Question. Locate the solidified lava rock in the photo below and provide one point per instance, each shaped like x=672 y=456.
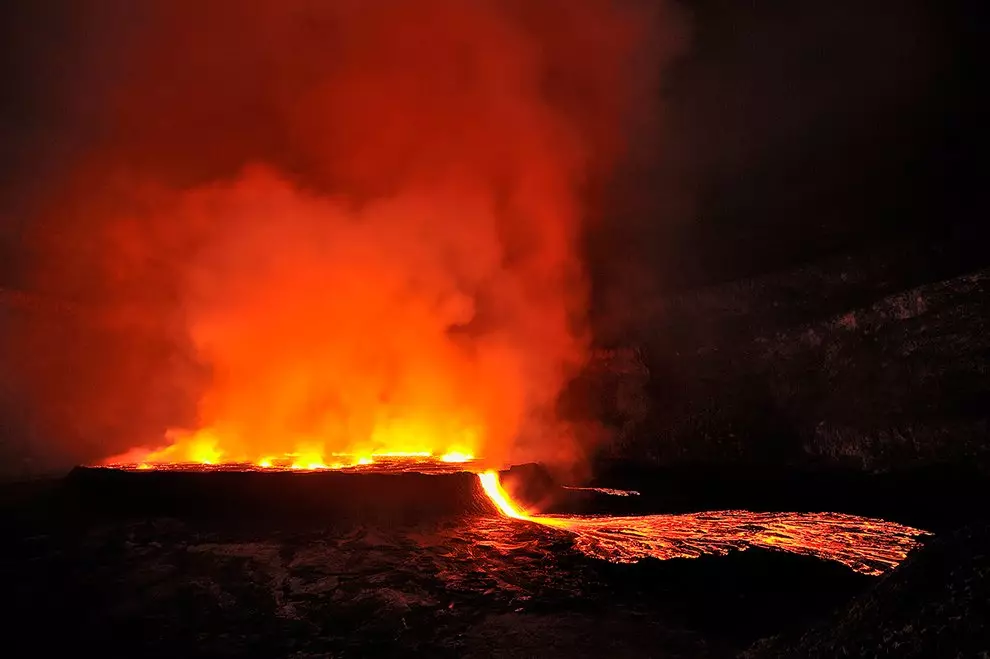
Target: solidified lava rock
x=476 y=585
x=255 y=564
x=872 y=361
x=259 y=497
x=934 y=605
x=531 y=485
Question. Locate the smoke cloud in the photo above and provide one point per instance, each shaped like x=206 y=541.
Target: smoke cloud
x=317 y=227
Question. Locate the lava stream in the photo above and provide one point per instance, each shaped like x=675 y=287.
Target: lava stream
x=869 y=546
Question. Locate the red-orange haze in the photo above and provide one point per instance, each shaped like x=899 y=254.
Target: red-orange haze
x=335 y=227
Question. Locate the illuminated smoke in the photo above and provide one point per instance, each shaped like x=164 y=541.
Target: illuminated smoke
x=307 y=228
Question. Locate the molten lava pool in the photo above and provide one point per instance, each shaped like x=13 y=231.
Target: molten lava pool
x=865 y=545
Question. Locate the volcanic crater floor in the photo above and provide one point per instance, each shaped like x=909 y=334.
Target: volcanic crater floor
x=471 y=584
x=474 y=586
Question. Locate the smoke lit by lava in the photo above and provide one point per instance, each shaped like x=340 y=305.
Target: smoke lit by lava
x=309 y=233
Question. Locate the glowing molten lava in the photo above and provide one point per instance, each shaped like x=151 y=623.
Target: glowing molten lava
x=869 y=546
x=494 y=490
x=424 y=463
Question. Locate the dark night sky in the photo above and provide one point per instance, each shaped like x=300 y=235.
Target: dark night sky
x=802 y=128
x=788 y=130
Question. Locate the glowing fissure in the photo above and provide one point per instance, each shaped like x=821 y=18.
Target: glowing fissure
x=869 y=546
x=612 y=492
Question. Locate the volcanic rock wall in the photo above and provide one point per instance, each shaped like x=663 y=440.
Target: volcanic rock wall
x=856 y=362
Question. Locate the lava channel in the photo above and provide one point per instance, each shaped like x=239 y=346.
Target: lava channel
x=868 y=546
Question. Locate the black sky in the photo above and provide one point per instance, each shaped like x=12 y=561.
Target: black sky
x=802 y=128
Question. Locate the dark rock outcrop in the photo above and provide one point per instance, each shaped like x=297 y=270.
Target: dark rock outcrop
x=260 y=498
x=872 y=362
x=934 y=605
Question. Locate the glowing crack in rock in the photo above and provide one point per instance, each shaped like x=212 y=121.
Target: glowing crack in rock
x=612 y=492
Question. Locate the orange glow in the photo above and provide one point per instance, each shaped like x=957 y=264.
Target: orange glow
x=333 y=227
x=372 y=370
x=870 y=546
x=202 y=448
x=360 y=464
x=387 y=462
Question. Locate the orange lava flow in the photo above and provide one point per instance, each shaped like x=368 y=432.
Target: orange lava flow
x=868 y=546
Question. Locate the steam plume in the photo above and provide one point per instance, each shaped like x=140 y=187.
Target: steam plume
x=317 y=227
